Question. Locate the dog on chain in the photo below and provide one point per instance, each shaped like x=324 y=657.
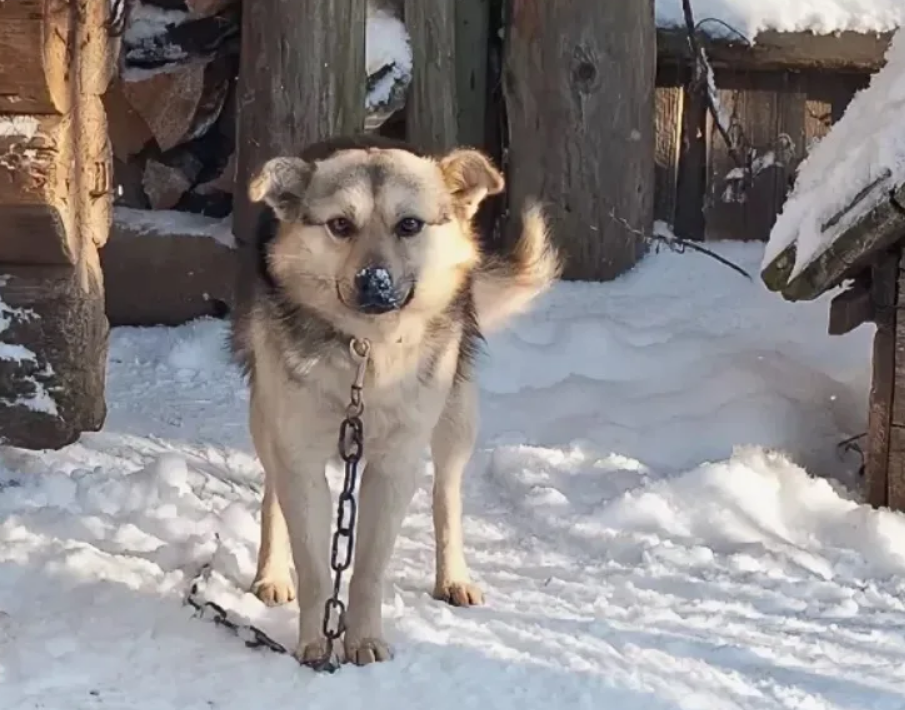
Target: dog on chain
x=366 y=238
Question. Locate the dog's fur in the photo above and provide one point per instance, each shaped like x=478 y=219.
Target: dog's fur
x=296 y=314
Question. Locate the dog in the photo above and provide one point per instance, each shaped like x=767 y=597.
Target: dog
x=365 y=237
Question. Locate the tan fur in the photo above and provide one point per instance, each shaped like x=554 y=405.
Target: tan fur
x=416 y=392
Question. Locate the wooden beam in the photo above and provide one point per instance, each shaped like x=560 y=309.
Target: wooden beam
x=432 y=105
x=35 y=56
x=884 y=285
x=851 y=308
x=302 y=79
x=471 y=32
x=579 y=85
x=851 y=251
x=772 y=51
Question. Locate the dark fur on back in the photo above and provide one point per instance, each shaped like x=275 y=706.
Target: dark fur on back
x=302 y=333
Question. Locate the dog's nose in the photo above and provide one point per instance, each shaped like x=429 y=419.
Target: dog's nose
x=376 y=291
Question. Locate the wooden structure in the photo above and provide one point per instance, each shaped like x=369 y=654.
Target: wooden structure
x=870 y=253
x=779 y=95
x=588 y=154
x=56 y=59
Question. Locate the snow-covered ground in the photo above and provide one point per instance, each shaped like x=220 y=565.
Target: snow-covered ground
x=636 y=514
x=820 y=16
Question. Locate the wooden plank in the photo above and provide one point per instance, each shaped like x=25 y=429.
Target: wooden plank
x=850 y=253
x=850 y=309
x=586 y=153
x=895 y=474
x=471 y=35
x=884 y=284
x=895 y=484
x=668 y=102
x=35 y=56
x=771 y=50
x=751 y=102
x=432 y=105
x=691 y=181
x=298 y=84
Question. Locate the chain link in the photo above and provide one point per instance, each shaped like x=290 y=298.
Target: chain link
x=351 y=451
x=251 y=635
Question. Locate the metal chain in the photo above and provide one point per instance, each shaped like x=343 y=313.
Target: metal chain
x=351 y=450
x=251 y=635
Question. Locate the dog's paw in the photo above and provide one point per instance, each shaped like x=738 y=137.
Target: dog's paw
x=312 y=653
x=459 y=593
x=367 y=650
x=272 y=591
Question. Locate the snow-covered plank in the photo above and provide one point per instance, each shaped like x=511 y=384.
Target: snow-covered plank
x=772 y=50
x=839 y=213
x=751 y=17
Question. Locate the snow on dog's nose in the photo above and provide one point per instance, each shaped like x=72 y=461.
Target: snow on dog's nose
x=376 y=291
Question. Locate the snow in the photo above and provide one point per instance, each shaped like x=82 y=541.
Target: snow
x=865 y=147
x=40 y=399
x=639 y=512
x=386 y=45
x=167 y=223
x=752 y=16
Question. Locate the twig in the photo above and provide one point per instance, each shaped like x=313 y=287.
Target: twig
x=678 y=244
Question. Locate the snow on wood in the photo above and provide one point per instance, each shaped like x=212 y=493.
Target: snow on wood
x=168 y=222
x=849 y=172
x=753 y=16
x=39 y=399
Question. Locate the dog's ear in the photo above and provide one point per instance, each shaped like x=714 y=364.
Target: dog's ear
x=281 y=183
x=470 y=177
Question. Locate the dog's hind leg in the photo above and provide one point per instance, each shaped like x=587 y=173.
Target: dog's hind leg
x=273 y=582
x=452 y=444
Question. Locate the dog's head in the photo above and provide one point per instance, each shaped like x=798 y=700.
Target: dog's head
x=370 y=234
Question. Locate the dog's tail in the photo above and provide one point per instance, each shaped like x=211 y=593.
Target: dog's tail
x=506 y=284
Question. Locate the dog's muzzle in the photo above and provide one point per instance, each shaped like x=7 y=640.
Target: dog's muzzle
x=377 y=293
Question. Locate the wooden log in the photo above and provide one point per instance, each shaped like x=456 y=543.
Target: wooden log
x=97 y=45
x=192 y=41
x=579 y=83
x=53 y=353
x=167 y=268
x=129 y=132
x=164 y=184
x=783 y=51
x=432 y=105
x=37 y=202
x=471 y=37
x=168 y=102
x=883 y=288
x=895 y=473
x=288 y=99
x=93 y=185
x=35 y=56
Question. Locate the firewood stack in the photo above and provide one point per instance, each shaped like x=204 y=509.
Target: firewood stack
x=172 y=106
x=56 y=60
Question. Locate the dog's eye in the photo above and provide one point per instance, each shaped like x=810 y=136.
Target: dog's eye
x=409 y=227
x=341 y=227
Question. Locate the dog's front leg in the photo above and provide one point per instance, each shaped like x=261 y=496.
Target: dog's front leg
x=305 y=499
x=387 y=487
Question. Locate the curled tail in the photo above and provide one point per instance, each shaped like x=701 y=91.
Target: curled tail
x=506 y=284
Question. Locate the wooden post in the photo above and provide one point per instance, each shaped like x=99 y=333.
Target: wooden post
x=579 y=85
x=302 y=79
x=431 y=107
x=56 y=206
x=471 y=45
